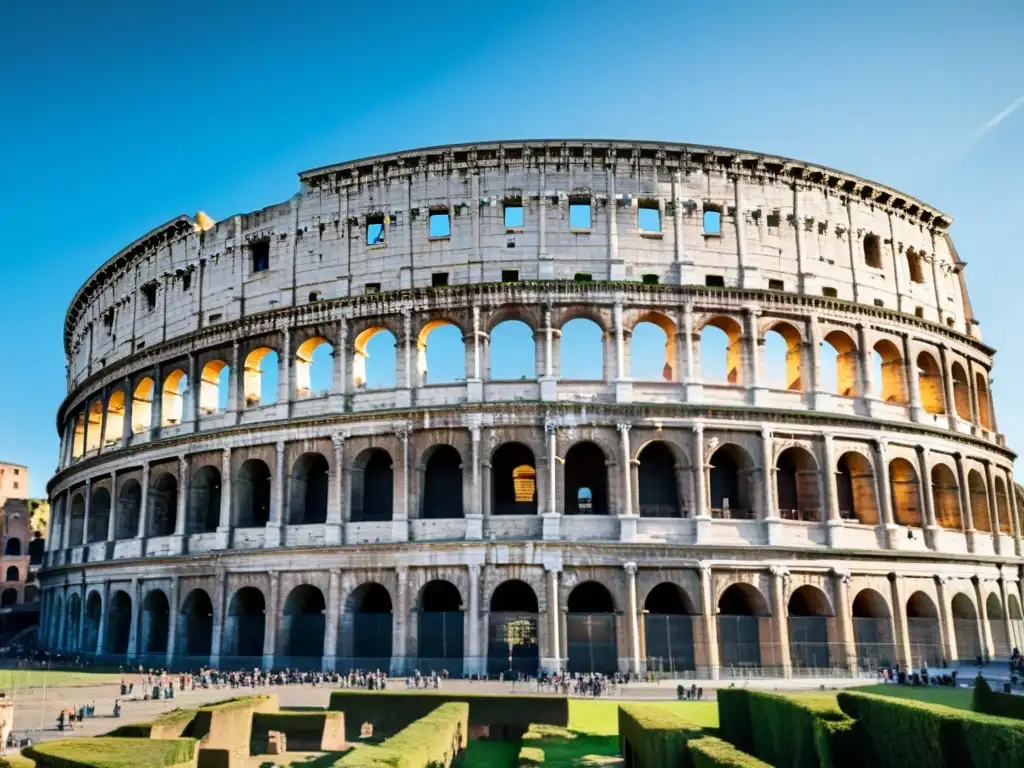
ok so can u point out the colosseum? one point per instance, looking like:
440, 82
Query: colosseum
215, 505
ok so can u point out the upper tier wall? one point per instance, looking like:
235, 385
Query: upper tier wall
799, 228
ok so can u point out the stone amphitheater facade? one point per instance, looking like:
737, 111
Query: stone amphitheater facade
680, 525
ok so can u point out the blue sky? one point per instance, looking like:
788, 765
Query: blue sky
120, 115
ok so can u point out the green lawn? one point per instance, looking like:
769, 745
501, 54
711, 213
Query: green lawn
20, 679
958, 698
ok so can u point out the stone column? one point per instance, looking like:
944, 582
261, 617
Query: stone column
220, 588
272, 533
844, 613
770, 513
965, 501
143, 508
834, 521
780, 615
333, 535
623, 385
339, 369
401, 643
949, 649
180, 528
627, 516
885, 493
474, 663
899, 615
702, 514
331, 621
112, 517
752, 376
270, 621
400, 523
226, 484
284, 372
814, 363
133, 630
129, 396
1006, 612
551, 430
709, 615
474, 511
407, 380
986, 628
691, 381
866, 373
85, 523
190, 403
104, 610
1015, 518
236, 385
947, 382
157, 406
172, 622
555, 662
913, 383
632, 613
104, 401
993, 507
930, 527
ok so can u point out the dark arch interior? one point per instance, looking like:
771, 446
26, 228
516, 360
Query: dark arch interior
252, 487
868, 604
248, 611
920, 606
668, 598
740, 600
514, 595
129, 501
659, 490
586, 480
310, 481
807, 601
442, 484
591, 597
371, 598
197, 618
93, 614
163, 505
119, 622
440, 596
305, 618
36, 550
513, 480
725, 481
77, 530
372, 626
99, 514
962, 607
156, 622
204, 500
373, 487
12, 573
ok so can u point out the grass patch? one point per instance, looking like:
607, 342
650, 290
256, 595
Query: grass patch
482, 753
22, 679
957, 698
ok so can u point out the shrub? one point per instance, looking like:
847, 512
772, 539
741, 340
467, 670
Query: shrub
433, 741
106, 752
791, 732
710, 752
734, 723
529, 757
391, 711
306, 731
990, 702
654, 736
132, 731
932, 736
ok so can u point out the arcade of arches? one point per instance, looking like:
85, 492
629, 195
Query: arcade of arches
712, 620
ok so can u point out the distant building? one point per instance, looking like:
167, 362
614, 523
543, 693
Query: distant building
22, 552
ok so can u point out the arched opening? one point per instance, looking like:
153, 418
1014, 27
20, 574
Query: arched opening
590, 630
872, 631
313, 364
99, 516
727, 484
163, 505
259, 377
946, 496
872, 251
76, 535
114, 429
156, 615
741, 611
93, 616
668, 629
796, 485
965, 628
370, 609
372, 486
513, 480
12, 571
37, 548
1016, 622
252, 494
923, 629
855, 488
13, 546
840, 361
1003, 508
8, 597
997, 626
961, 392
809, 612
721, 351
581, 351
442, 484
172, 398
906, 495
889, 375
512, 646
516, 357
196, 634
129, 503
440, 628
374, 359
782, 357
214, 387
93, 434
440, 353
119, 623
247, 620
980, 514
304, 622
309, 483
586, 480
53, 635
658, 482
914, 268
929, 384
78, 437
652, 349
74, 617
31, 593
204, 500
142, 406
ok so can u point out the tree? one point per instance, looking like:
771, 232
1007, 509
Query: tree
39, 516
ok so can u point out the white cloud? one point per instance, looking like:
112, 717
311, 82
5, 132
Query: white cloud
1013, 107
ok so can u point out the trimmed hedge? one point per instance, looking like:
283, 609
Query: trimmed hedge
923, 735
734, 724
529, 757
306, 731
990, 702
107, 752
791, 732
391, 711
434, 741
655, 736
710, 752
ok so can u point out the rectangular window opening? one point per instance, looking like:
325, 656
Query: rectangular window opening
580, 215
830, 293
260, 251
513, 215
108, 319
776, 285
510, 275
879, 303
712, 220
439, 279
375, 230
149, 292
583, 277
773, 220
186, 281
649, 279
371, 288
648, 217
440, 225
919, 312
714, 281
